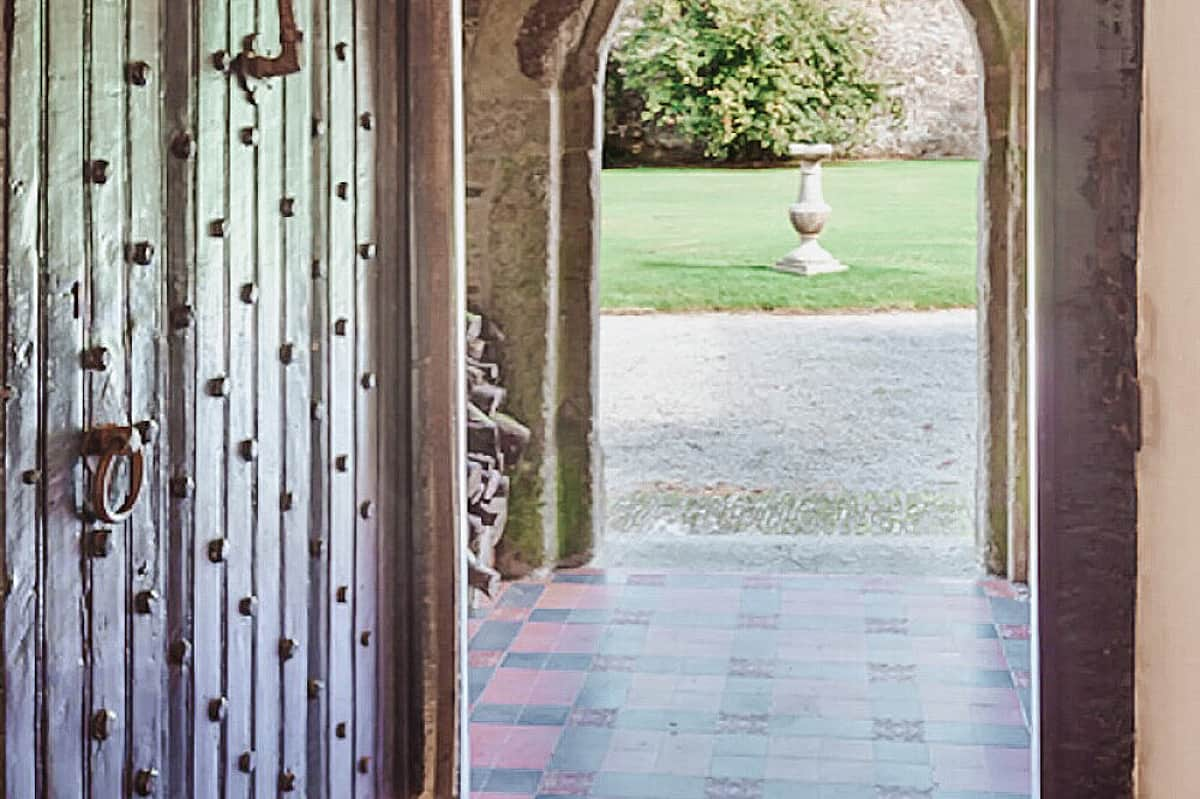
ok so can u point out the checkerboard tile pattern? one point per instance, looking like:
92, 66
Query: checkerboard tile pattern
619, 685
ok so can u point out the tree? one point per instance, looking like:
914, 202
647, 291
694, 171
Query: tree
745, 78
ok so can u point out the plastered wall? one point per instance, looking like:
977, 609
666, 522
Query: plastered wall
1168, 623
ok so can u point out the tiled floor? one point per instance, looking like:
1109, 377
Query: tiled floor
687, 686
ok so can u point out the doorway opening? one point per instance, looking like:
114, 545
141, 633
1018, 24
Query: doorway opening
706, 619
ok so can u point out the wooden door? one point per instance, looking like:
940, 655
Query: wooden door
200, 271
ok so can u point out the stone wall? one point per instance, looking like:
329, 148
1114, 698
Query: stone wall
925, 53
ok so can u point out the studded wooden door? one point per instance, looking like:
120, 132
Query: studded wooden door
199, 271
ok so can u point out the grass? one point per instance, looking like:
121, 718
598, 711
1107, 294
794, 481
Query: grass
705, 239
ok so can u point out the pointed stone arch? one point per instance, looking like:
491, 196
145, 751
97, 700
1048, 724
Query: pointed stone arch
534, 74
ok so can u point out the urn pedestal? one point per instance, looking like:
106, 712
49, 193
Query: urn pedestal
809, 214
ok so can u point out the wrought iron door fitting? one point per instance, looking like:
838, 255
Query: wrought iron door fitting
251, 66
146, 782
138, 73
108, 443
103, 722
146, 601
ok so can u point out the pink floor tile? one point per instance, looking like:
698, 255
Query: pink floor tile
579, 638
561, 595
484, 659
957, 756
598, 597
528, 748
1005, 759
510, 687
555, 688
537, 637
964, 779
487, 743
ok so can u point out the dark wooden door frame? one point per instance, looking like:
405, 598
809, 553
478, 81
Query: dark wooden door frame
1087, 180
430, 580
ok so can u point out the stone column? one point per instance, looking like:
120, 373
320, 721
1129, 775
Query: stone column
512, 262
531, 249
579, 474
1018, 340
992, 315
809, 214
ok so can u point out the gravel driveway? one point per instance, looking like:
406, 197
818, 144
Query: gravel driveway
830, 443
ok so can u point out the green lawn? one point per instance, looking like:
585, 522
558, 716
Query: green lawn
704, 239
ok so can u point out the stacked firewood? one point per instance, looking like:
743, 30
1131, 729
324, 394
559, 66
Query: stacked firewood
495, 442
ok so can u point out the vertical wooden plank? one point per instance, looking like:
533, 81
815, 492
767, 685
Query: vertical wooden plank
395, 752
368, 61
267, 563
297, 332
214, 220
319, 727
64, 299
434, 427
241, 265
106, 388
21, 566
146, 368
183, 551
342, 389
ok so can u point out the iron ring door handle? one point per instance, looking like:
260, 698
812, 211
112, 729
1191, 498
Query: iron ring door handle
109, 443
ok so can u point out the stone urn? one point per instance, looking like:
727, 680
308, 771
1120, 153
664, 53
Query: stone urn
809, 214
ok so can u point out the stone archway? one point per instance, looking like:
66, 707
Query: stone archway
534, 74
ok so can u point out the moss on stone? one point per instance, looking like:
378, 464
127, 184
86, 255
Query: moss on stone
576, 525
522, 549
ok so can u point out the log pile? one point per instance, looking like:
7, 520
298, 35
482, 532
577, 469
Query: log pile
495, 442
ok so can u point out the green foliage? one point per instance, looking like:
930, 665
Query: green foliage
745, 78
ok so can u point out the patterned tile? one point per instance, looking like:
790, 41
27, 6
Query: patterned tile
892, 672
898, 792
594, 717
614, 663
759, 622
567, 783
898, 730
485, 659
632, 616
708, 686
751, 667
879, 626
743, 723
725, 788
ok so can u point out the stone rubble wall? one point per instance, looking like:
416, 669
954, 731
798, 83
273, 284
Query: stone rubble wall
925, 52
